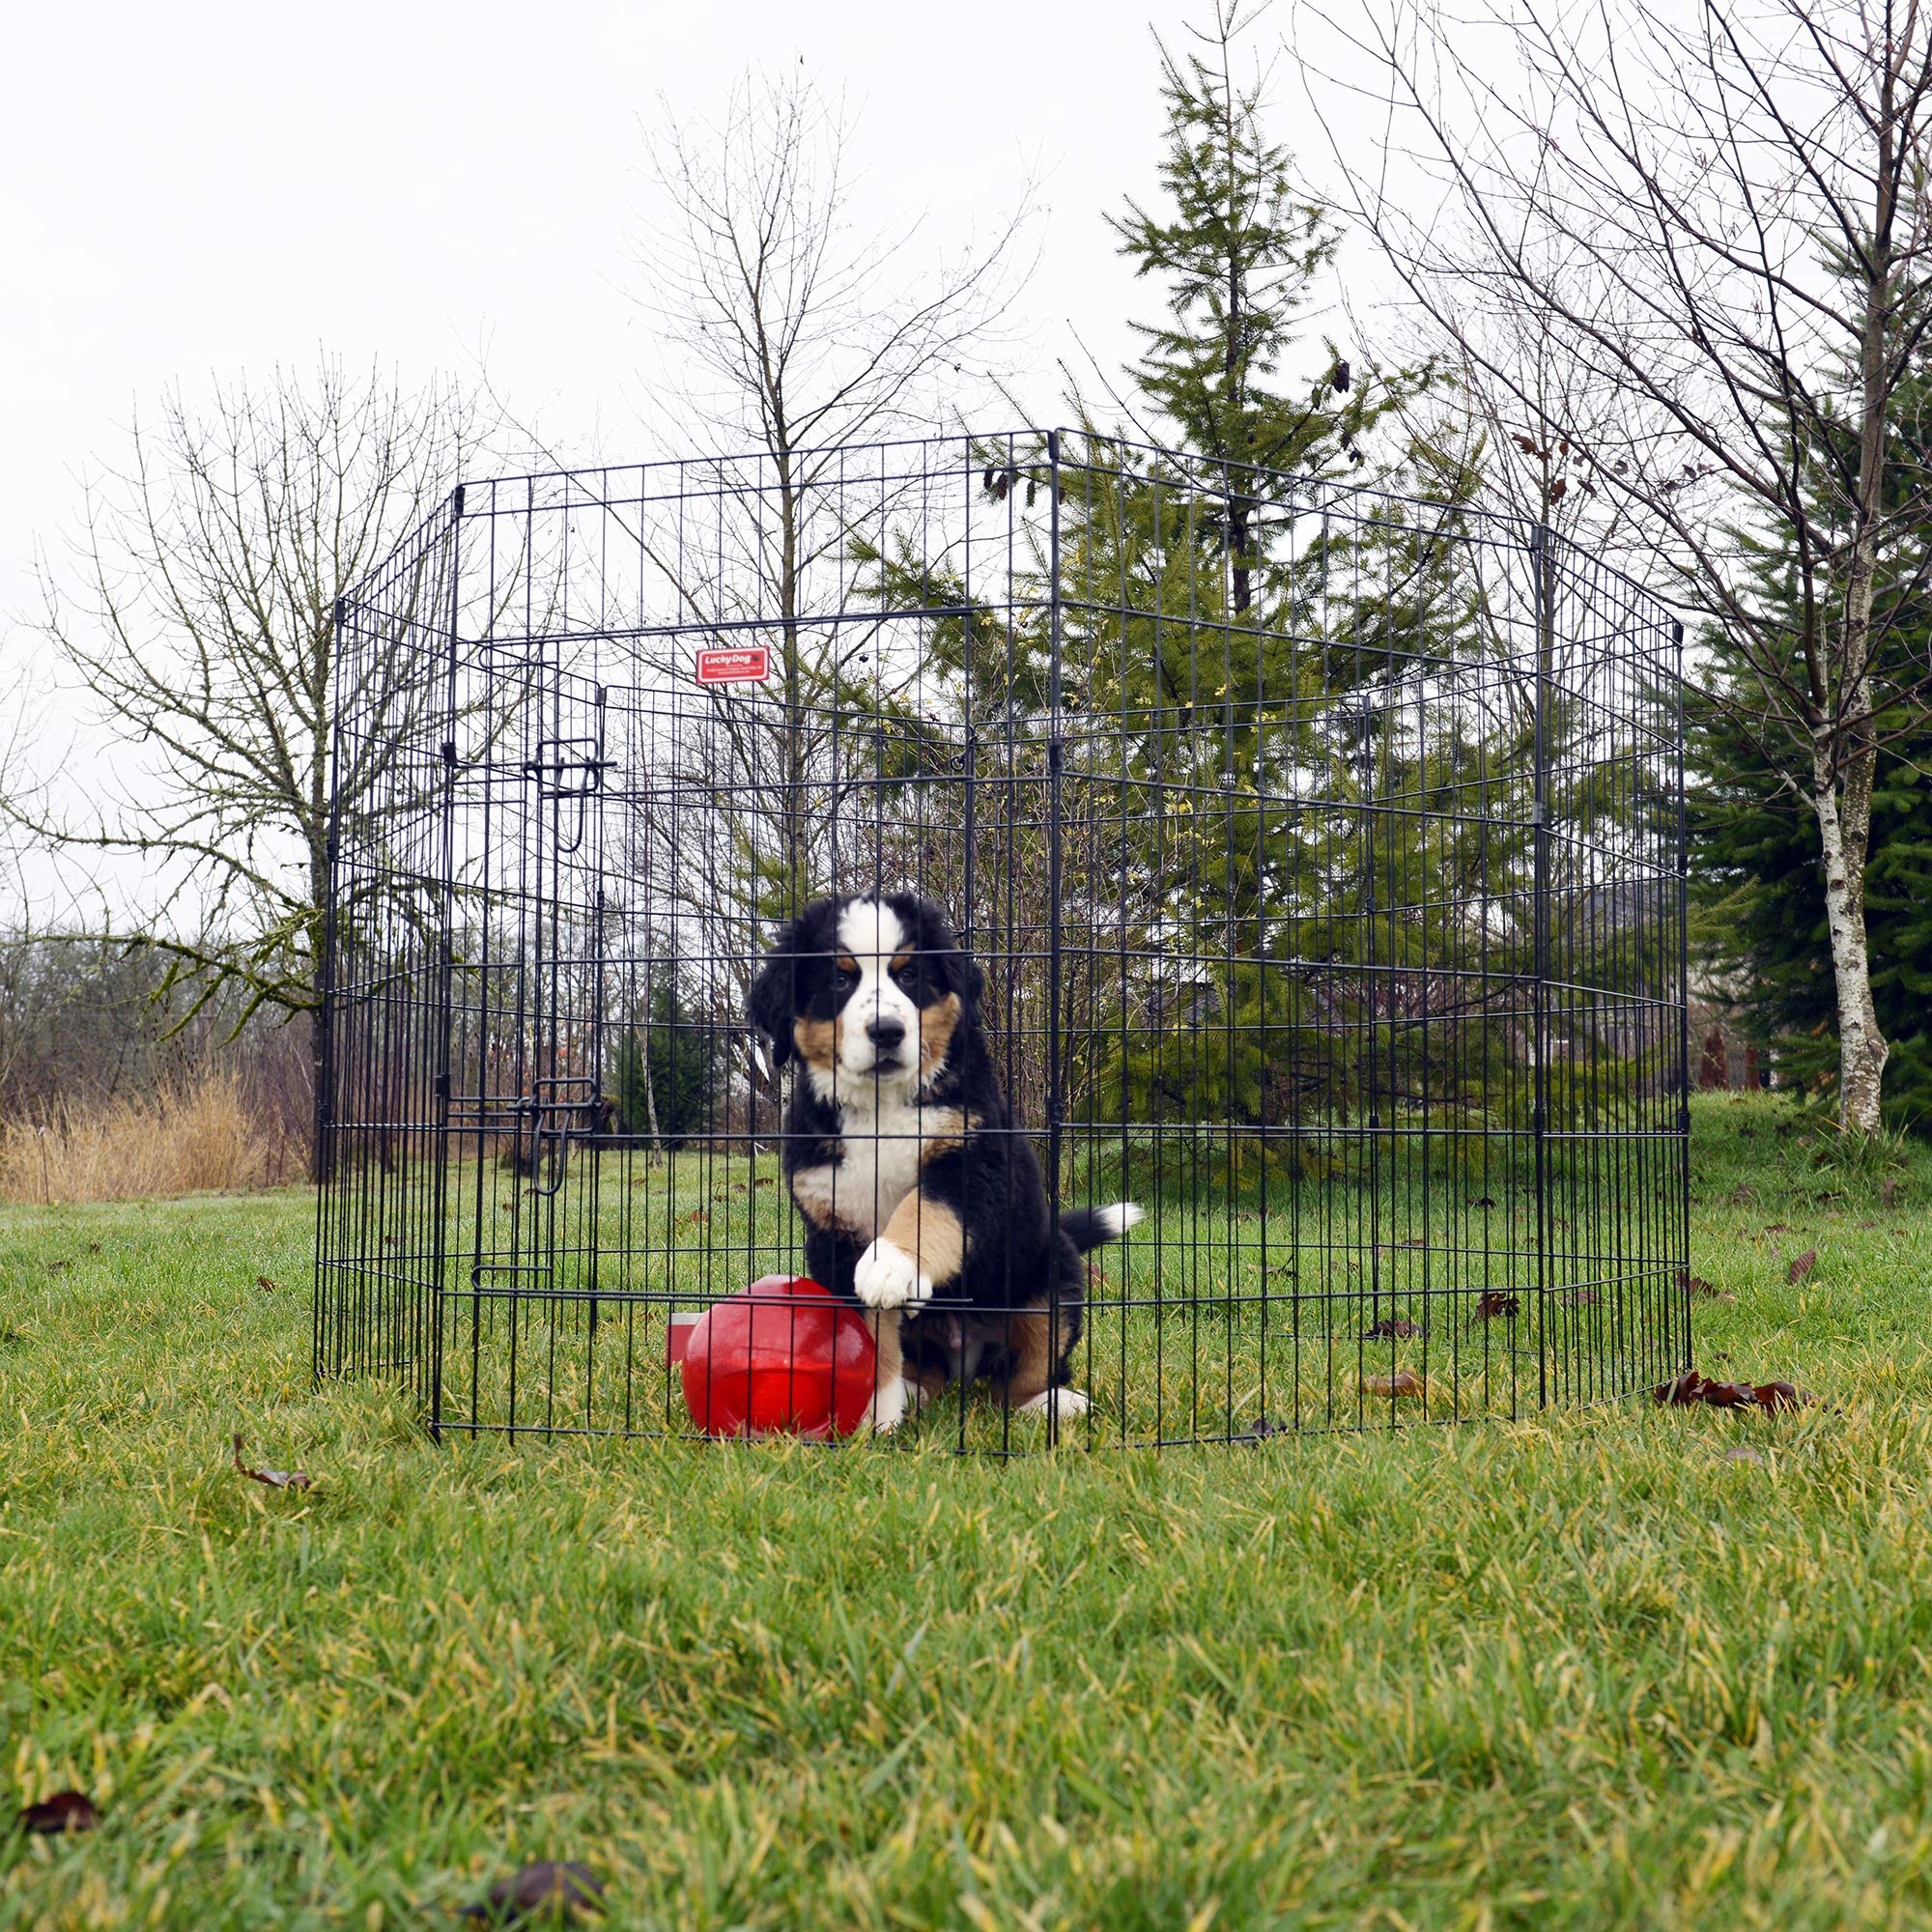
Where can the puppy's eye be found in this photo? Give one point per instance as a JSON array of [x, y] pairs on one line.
[[848, 969]]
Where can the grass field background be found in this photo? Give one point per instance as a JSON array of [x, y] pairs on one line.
[[1590, 1670]]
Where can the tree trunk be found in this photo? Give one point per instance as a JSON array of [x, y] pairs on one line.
[[317, 1021], [1843, 804], [316, 1036], [1861, 1046], [320, 666], [650, 1085]]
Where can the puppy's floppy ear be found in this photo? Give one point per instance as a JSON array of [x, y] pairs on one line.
[[963, 975], [937, 937], [772, 1002]]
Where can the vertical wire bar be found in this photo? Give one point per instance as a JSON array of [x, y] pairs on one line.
[[1055, 750], [328, 1251], [1678, 1257], [445, 969], [1540, 918]]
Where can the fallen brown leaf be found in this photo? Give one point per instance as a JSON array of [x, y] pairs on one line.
[[1583, 1297], [1888, 1190], [266, 1285], [549, 1887], [1704, 1290], [1802, 1267], [64, 1811], [1728, 1395], [1482, 1201], [1690, 1387], [1743, 1194], [1389, 1329], [1494, 1303], [1682, 1391], [1403, 1382], [274, 1479]]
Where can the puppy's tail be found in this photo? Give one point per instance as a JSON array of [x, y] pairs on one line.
[[1088, 1228]]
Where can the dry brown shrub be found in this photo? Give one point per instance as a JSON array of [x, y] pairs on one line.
[[195, 1135]]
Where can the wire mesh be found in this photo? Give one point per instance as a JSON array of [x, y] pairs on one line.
[[1321, 852]]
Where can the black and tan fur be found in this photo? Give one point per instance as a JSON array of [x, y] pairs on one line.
[[921, 1200]]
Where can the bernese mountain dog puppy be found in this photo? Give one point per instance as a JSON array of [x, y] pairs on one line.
[[921, 1198]]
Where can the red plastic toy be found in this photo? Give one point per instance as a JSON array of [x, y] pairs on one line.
[[786, 1357]]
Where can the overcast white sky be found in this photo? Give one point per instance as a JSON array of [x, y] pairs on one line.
[[205, 190], [199, 191]]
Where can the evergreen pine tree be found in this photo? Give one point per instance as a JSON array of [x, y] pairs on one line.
[[1213, 646], [1244, 703], [1240, 252]]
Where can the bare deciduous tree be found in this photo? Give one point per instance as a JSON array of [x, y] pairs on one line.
[[1719, 220], [196, 622], [798, 336], [793, 339]]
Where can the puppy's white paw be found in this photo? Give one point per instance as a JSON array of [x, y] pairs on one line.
[[888, 1277], [886, 1411], [1059, 1403]]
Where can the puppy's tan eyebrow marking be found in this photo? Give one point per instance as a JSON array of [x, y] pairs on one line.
[[901, 959], [846, 963]]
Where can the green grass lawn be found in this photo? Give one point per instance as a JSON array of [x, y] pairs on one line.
[[1590, 1670]]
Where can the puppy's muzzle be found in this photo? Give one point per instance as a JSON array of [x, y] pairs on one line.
[[887, 1035]]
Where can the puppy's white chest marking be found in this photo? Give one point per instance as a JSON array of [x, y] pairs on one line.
[[879, 1164]]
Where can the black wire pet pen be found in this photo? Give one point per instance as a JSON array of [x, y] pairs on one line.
[[1320, 852]]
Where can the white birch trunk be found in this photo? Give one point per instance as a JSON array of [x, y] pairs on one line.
[[1861, 1046]]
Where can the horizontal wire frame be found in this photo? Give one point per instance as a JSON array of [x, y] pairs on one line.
[[1321, 852]]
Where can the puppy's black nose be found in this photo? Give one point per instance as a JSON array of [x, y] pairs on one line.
[[885, 1032]]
